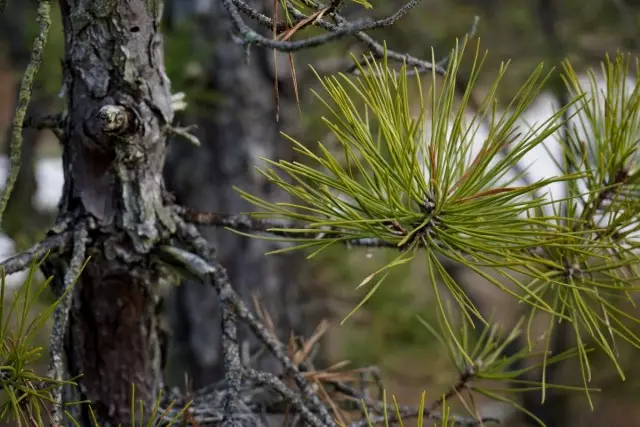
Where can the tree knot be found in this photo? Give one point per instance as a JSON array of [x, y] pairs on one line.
[[115, 120]]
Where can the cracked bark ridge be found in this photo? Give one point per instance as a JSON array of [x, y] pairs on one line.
[[114, 147]]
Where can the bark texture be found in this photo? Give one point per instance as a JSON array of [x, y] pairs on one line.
[[114, 147], [235, 133]]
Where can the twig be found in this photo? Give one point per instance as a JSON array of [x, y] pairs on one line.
[[461, 384], [375, 47], [418, 65], [21, 261], [407, 412], [60, 318], [230, 348], [249, 36], [44, 19], [261, 18], [245, 223], [49, 121], [275, 383], [256, 389]]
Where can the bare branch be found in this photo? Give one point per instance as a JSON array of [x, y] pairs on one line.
[[249, 36], [264, 378], [258, 399], [44, 19], [60, 317], [375, 47], [418, 65], [22, 261], [465, 377], [261, 18], [54, 122], [245, 223]]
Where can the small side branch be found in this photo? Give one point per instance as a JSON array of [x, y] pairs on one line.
[[249, 36], [54, 122], [460, 385], [61, 316], [342, 28], [22, 261], [248, 224]]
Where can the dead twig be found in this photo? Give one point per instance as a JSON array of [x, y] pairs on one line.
[[53, 243]]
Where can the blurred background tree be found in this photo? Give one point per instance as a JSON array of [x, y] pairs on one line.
[[234, 105]]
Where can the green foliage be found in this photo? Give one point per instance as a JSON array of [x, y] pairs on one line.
[[594, 268], [26, 394], [413, 180], [484, 369]]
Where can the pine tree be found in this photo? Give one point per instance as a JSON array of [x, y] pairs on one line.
[[413, 182]]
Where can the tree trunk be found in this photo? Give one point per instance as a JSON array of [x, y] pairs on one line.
[[235, 133], [114, 146]]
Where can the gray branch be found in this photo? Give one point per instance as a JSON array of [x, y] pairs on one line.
[[60, 318], [265, 378], [22, 261], [246, 223], [250, 36], [55, 122]]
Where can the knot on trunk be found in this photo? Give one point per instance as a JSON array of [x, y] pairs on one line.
[[115, 120]]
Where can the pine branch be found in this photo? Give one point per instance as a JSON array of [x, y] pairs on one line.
[[307, 403], [245, 223], [22, 261], [379, 50]]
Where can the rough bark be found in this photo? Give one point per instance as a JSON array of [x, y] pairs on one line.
[[235, 132], [114, 146]]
